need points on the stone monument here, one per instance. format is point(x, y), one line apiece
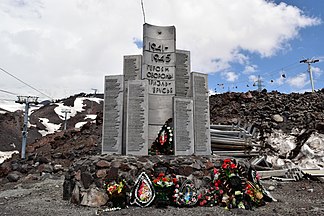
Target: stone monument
point(154, 88)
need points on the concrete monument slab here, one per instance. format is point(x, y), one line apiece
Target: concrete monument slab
point(182, 75)
point(137, 118)
point(113, 115)
point(183, 126)
point(199, 85)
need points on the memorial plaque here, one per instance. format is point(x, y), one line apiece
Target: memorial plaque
point(183, 126)
point(137, 118)
point(199, 85)
point(113, 115)
point(132, 67)
point(132, 71)
point(158, 68)
point(159, 58)
point(182, 72)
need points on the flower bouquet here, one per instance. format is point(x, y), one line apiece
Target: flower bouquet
point(163, 186)
point(186, 195)
point(116, 190)
point(213, 195)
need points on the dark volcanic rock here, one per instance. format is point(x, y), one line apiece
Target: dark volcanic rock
point(14, 176)
point(86, 179)
point(267, 111)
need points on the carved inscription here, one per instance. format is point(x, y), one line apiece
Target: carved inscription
point(184, 125)
point(201, 104)
point(183, 72)
point(159, 59)
point(158, 47)
point(112, 134)
point(137, 117)
point(132, 67)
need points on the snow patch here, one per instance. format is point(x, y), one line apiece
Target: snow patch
point(91, 116)
point(77, 107)
point(5, 155)
point(283, 143)
point(2, 112)
point(311, 154)
point(97, 100)
point(50, 127)
point(80, 124)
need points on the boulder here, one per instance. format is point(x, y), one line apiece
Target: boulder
point(68, 186)
point(94, 198)
point(14, 176)
point(75, 198)
point(277, 118)
point(86, 179)
point(101, 173)
point(47, 168)
point(103, 164)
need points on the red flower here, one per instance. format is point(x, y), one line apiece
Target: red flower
point(224, 166)
point(203, 202)
point(227, 160)
point(175, 180)
point(155, 181)
point(165, 179)
point(215, 171)
point(161, 174)
point(233, 166)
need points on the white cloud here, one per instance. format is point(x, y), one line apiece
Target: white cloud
point(230, 76)
point(250, 69)
point(253, 78)
point(298, 81)
point(317, 71)
point(64, 47)
point(211, 92)
point(280, 80)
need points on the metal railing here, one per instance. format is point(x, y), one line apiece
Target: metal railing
point(235, 140)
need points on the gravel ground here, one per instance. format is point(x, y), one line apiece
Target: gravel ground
point(45, 198)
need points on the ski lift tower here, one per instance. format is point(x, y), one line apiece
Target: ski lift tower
point(27, 100)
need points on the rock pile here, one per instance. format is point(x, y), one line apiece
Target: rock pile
point(84, 179)
point(52, 154)
point(273, 110)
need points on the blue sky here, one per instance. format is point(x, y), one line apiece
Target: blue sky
point(307, 44)
point(66, 47)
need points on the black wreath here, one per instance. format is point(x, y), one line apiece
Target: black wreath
point(163, 144)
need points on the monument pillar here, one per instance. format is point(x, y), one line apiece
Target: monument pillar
point(155, 87)
point(159, 70)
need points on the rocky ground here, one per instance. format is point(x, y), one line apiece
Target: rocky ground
point(11, 123)
point(270, 110)
point(45, 198)
point(35, 186)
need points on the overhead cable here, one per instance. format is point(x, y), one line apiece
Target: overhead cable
point(25, 83)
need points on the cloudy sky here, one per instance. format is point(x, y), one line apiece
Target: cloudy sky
point(63, 47)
